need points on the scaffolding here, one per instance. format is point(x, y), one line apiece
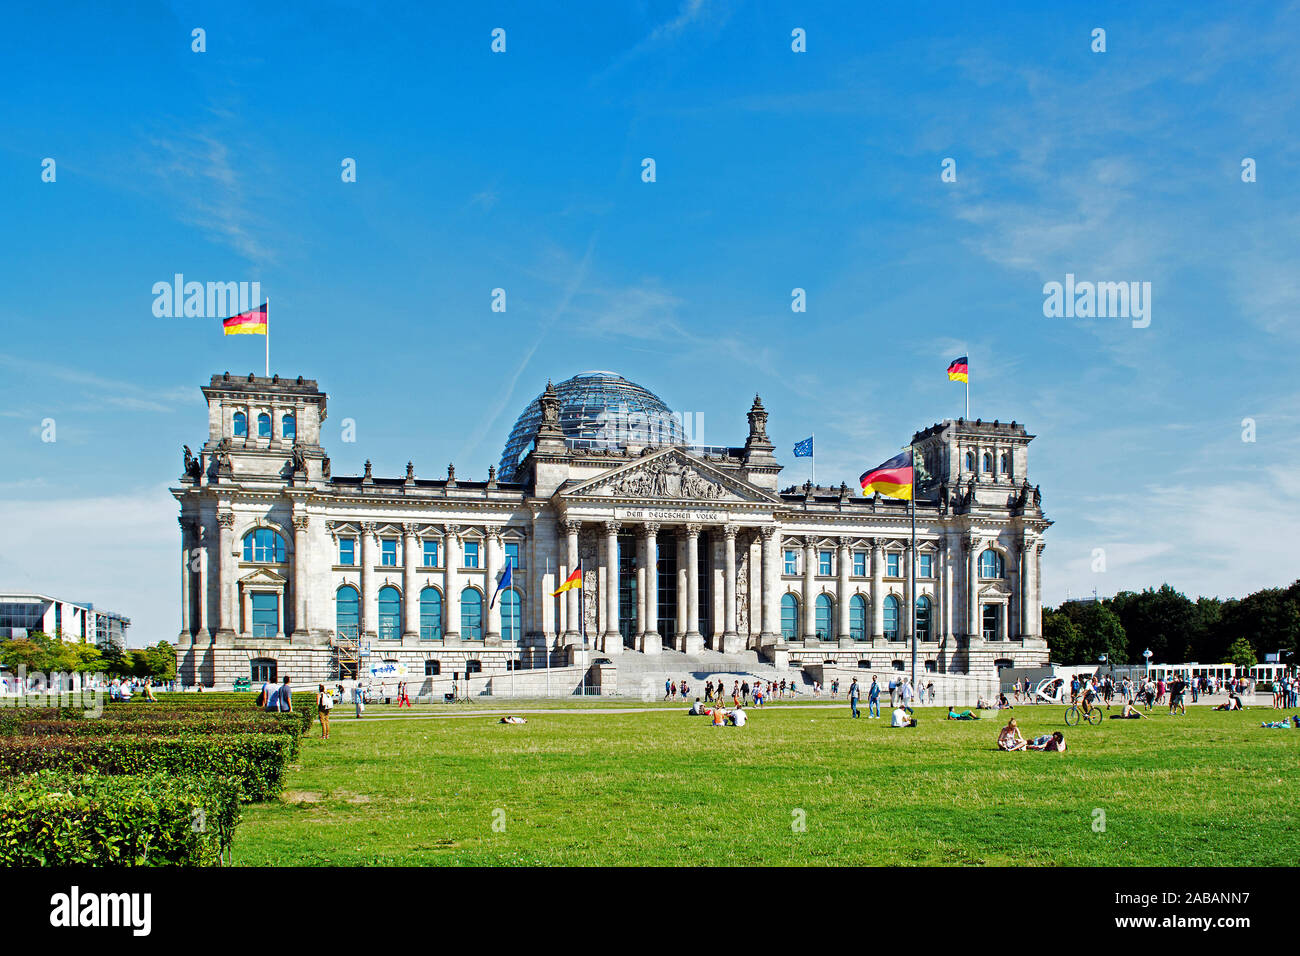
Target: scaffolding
point(346, 663)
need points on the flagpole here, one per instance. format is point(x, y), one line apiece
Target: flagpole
point(968, 388)
point(813, 458)
point(911, 565)
point(268, 336)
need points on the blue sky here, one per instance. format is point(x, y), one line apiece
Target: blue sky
point(775, 170)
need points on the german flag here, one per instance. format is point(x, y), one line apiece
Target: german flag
point(893, 478)
point(252, 322)
point(957, 371)
point(574, 580)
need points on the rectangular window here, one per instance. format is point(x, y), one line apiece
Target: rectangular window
point(431, 554)
point(388, 552)
point(348, 551)
point(266, 614)
point(925, 566)
point(471, 554)
point(823, 562)
point(859, 564)
point(992, 621)
point(512, 553)
point(792, 562)
point(891, 565)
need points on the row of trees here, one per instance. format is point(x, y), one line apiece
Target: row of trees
point(45, 653)
point(1175, 628)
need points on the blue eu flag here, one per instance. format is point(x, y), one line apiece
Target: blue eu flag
point(803, 449)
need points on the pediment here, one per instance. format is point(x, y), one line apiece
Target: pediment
point(996, 589)
point(264, 577)
point(670, 475)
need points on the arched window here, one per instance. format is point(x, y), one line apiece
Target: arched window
point(789, 617)
point(891, 617)
point(991, 564)
point(988, 462)
point(970, 461)
point(347, 611)
point(923, 618)
point(471, 615)
point(390, 613)
point(430, 614)
point(264, 425)
point(511, 615)
point(858, 617)
point(823, 620)
point(263, 544)
point(241, 425)
point(288, 427)
point(1005, 465)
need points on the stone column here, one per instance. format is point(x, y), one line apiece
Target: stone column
point(731, 643)
point(809, 589)
point(771, 620)
point(572, 598)
point(186, 636)
point(492, 567)
point(683, 594)
point(450, 585)
point(640, 589)
point(651, 640)
point(877, 591)
point(300, 576)
point(613, 638)
point(972, 588)
point(410, 589)
point(227, 609)
point(203, 541)
point(369, 605)
point(1028, 587)
point(842, 596)
point(693, 642)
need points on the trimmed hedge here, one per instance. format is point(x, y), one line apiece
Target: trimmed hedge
point(55, 818)
point(209, 725)
point(257, 761)
point(304, 704)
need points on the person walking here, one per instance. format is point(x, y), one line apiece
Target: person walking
point(873, 700)
point(358, 698)
point(853, 698)
point(324, 704)
point(668, 689)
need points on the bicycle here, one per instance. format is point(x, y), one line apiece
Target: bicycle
point(1092, 715)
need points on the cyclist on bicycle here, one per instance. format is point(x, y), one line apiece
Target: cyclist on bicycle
point(1087, 698)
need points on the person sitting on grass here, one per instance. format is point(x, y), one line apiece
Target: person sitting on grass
point(954, 714)
point(900, 718)
point(719, 717)
point(1054, 742)
point(983, 703)
point(1232, 703)
point(1129, 713)
point(1003, 703)
point(737, 717)
point(696, 710)
point(1010, 739)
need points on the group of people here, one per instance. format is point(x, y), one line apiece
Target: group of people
point(1010, 738)
point(719, 716)
point(1285, 692)
point(741, 692)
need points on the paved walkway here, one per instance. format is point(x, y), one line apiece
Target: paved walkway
point(338, 717)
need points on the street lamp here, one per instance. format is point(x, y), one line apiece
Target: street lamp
point(1148, 655)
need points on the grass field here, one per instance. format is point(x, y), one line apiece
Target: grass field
point(668, 789)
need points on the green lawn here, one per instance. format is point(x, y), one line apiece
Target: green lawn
point(665, 788)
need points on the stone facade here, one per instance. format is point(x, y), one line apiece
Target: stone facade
point(289, 568)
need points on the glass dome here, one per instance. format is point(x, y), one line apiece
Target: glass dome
point(597, 410)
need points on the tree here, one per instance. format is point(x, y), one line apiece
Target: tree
point(1164, 620)
point(1241, 653)
point(1063, 636)
point(161, 661)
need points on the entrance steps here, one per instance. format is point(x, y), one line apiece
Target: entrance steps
point(644, 675)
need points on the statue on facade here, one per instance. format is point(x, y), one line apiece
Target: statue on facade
point(410, 471)
point(193, 467)
point(1038, 497)
point(299, 459)
point(325, 467)
point(225, 469)
point(367, 476)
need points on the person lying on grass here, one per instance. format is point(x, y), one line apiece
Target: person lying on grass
point(961, 715)
point(1054, 742)
point(1130, 713)
point(1286, 723)
point(513, 720)
point(1010, 739)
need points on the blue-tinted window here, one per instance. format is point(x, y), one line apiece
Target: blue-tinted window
point(241, 425)
point(263, 544)
point(348, 551)
point(263, 425)
point(923, 618)
point(388, 552)
point(471, 615)
point(823, 562)
point(789, 617)
point(891, 618)
point(511, 617)
point(891, 564)
point(512, 553)
point(266, 614)
point(347, 611)
point(431, 554)
point(825, 617)
point(288, 427)
point(991, 564)
point(858, 618)
point(471, 554)
point(430, 615)
point(390, 613)
point(925, 566)
point(859, 564)
point(792, 562)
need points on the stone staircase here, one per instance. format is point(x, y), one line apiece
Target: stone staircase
point(643, 676)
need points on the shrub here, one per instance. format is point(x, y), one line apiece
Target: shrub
point(55, 818)
point(207, 724)
point(257, 761)
point(304, 703)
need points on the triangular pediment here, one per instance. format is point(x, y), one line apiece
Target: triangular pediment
point(264, 577)
point(670, 475)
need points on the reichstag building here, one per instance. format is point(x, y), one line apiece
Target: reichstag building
point(287, 568)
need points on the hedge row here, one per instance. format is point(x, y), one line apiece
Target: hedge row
point(304, 704)
point(56, 818)
point(166, 727)
point(257, 761)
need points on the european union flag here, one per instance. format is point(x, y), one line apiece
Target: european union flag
point(804, 449)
